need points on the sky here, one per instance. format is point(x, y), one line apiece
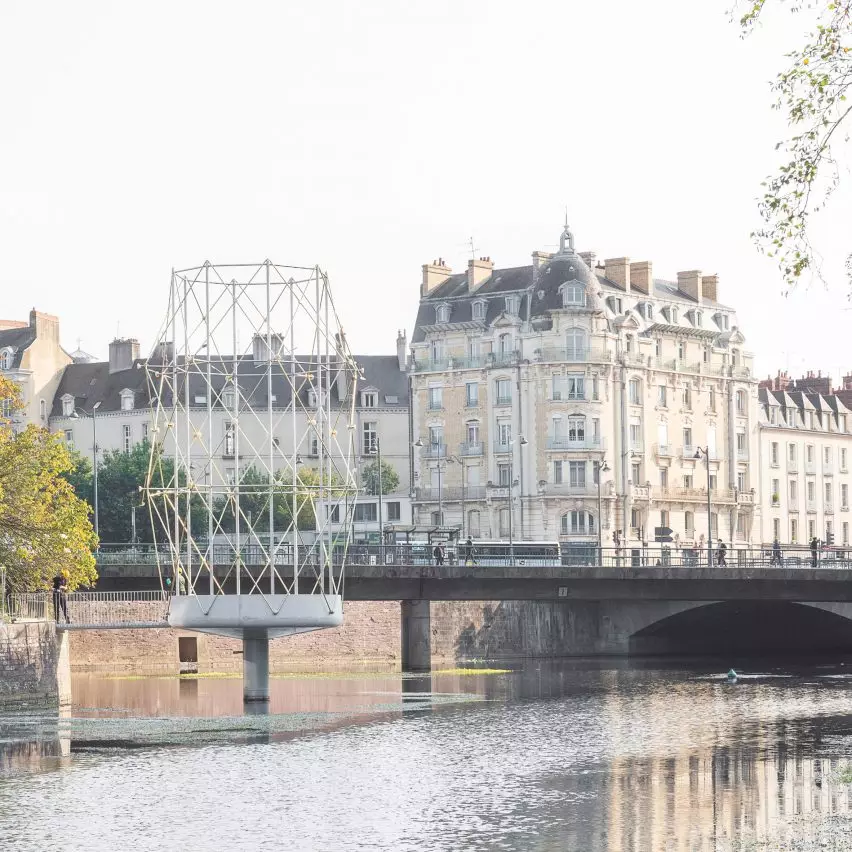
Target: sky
point(373, 137)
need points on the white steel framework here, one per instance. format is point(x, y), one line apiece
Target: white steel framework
point(250, 376)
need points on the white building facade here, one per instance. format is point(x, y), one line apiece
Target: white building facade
point(805, 458)
point(527, 381)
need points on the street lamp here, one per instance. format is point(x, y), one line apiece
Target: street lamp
point(376, 450)
point(522, 441)
point(76, 416)
point(600, 467)
point(705, 452)
point(460, 462)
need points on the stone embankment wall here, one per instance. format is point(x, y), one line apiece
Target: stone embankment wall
point(369, 639)
point(33, 665)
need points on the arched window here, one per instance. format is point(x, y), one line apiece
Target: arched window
point(576, 344)
point(577, 523)
point(473, 523)
point(442, 313)
point(7, 357)
point(67, 405)
point(573, 294)
point(504, 522)
point(42, 409)
point(479, 310)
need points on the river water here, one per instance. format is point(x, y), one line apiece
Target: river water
point(585, 756)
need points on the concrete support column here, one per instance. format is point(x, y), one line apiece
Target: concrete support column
point(63, 668)
point(255, 665)
point(416, 636)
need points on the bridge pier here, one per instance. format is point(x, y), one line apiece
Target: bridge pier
point(416, 636)
point(255, 666)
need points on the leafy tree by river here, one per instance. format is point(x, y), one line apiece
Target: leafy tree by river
point(44, 526)
point(812, 92)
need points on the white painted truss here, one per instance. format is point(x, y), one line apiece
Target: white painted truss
point(252, 472)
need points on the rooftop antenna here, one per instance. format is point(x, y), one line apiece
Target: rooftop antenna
point(473, 250)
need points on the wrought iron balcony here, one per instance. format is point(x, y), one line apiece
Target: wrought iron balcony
point(471, 448)
point(563, 443)
point(434, 451)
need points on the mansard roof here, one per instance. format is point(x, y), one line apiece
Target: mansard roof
point(543, 286)
point(91, 383)
point(17, 339)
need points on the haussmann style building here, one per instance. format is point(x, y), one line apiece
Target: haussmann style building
point(527, 383)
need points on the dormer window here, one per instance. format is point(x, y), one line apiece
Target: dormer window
point(312, 399)
point(698, 319)
point(479, 310)
point(674, 316)
point(442, 313)
point(573, 294)
point(614, 304)
point(128, 400)
point(369, 399)
point(228, 398)
point(647, 311)
point(67, 405)
point(513, 305)
point(7, 358)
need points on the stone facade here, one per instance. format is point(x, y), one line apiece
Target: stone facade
point(33, 665)
point(525, 380)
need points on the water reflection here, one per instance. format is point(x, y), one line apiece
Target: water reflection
point(579, 756)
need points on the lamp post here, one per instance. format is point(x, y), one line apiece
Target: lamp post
point(76, 416)
point(600, 467)
point(705, 452)
point(377, 451)
point(460, 462)
point(522, 441)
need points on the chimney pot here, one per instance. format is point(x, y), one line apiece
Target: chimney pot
point(689, 283)
point(617, 269)
point(478, 271)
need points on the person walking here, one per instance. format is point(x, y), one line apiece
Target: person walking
point(814, 549)
point(438, 553)
point(60, 596)
point(776, 553)
point(720, 555)
point(470, 552)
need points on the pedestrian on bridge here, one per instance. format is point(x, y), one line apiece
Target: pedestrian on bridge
point(814, 549)
point(720, 555)
point(470, 552)
point(60, 596)
point(776, 553)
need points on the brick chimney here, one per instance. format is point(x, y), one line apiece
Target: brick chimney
point(588, 257)
point(690, 283)
point(641, 276)
point(710, 287)
point(617, 269)
point(122, 353)
point(847, 382)
point(434, 274)
point(539, 258)
point(46, 326)
point(402, 350)
point(478, 271)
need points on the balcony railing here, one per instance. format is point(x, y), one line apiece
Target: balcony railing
point(828, 507)
point(563, 443)
point(449, 493)
point(742, 453)
point(827, 469)
point(564, 489)
point(565, 395)
point(471, 448)
point(665, 450)
point(435, 451)
point(641, 492)
point(717, 495)
point(810, 466)
point(792, 466)
point(572, 356)
point(504, 400)
point(810, 506)
point(503, 359)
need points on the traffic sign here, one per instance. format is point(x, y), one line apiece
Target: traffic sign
point(663, 534)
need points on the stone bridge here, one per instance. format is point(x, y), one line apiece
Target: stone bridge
point(609, 610)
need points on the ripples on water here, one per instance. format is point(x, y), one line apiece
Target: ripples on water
point(551, 757)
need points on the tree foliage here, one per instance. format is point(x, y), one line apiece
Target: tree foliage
point(80, 476)
point(813, 92)
point(370, 478)
point(254, 500)
point(121, 478)
point(44, 525)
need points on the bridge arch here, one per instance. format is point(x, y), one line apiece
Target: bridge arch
point(756, 627)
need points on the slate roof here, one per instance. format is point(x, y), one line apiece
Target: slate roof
point(93, 383)
point(543, 286)
point(19, 339)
